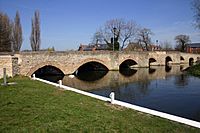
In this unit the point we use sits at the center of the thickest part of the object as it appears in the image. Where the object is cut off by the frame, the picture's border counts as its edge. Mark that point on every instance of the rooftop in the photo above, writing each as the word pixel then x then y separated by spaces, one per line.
pixel 194 45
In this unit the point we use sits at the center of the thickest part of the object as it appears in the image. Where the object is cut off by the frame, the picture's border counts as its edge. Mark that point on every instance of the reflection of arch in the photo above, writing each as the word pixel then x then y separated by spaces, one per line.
pixel 91 75
pixel 168 68
pixel 152 70
pixel 151 61
pixel 128 72
pixel 181 67
pixel 38 66
pixel 191 61
pixel 167 60
pixel 129 63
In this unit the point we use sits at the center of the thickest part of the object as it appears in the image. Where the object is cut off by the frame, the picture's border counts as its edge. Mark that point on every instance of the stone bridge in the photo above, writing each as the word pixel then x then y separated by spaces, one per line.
pixel 26 63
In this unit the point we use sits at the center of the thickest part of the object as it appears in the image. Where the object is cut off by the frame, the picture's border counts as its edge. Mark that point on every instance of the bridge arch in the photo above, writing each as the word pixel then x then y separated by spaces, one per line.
pixel 41 65
pixel 128 63
pixel 152 61
pixel 91 62
pixel 191 61
pixel 93 65
pixel 182 60
pixel 168 59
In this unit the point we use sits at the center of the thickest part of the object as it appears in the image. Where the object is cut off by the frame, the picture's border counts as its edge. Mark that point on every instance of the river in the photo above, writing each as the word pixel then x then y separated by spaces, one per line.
pixel 163 89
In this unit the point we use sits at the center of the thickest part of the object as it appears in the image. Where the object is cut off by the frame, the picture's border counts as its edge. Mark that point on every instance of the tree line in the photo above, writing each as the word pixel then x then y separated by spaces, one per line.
pixel 11 33
pixel 118 33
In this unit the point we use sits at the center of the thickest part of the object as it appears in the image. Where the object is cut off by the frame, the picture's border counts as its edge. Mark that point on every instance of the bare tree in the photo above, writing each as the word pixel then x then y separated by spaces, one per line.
pixel 144 38
pixel 5 33
pixel 113 30
pixel 35 34
pixel 166 45
pixel 97 38
pixel 117 31
pixel 129 32
pixel 17 33
pixel 196 7
pixel 181 41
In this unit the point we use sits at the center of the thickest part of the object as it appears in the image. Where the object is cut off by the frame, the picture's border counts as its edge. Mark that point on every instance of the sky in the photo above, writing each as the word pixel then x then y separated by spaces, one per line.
pixel 65 24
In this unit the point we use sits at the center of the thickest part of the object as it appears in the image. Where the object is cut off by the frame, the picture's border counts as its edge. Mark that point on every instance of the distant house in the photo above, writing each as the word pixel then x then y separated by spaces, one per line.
pixel 102 47
pixel 86 47
pixel 133 47
pixel 93 47
pixel 154 47
pixel 137 47
pixel 193 48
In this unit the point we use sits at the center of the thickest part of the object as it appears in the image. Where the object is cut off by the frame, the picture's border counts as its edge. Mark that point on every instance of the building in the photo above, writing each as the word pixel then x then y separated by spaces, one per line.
pixel 133 47
pixel 153 47
pixel 93 47
pixel 86 47
pixel 137 47
pixel 193 48
pixel 102 47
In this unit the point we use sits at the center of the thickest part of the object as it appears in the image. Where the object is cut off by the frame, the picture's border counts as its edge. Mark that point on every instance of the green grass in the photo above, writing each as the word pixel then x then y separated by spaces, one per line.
pixel 194 70
pixel 32 106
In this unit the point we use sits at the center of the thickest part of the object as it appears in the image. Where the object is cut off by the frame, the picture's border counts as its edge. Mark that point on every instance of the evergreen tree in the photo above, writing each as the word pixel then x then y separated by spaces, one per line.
pixel 5 33
pixel 17 33
pixel 35 33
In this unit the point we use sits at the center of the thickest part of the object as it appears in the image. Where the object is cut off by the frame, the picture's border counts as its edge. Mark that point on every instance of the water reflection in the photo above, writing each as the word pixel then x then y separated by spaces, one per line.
pixel 128 72
pixel 167 89
pixel 181 80
pixel 151 70
pixel 168 68
pixel 164 89
pixel 114 79
pixel 91 75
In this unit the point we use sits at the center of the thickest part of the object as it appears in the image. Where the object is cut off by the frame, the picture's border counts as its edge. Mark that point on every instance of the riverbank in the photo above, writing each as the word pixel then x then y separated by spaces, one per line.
pixel 194 70
pixel 32 106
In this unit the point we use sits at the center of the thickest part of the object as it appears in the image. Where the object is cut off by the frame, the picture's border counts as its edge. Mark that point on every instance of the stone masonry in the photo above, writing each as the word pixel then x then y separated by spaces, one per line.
pixel 26 63
pixel 10 63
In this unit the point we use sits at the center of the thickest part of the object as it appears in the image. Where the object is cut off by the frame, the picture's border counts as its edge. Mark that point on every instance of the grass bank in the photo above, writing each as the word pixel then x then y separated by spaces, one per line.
pixel 32 106
pixel 194 70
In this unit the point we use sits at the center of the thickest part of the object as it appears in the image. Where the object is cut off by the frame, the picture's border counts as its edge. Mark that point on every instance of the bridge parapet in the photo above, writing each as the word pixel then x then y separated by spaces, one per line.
pixel 68 62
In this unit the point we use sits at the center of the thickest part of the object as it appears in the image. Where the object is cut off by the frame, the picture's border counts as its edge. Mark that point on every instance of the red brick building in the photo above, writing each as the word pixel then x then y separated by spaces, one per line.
pixel 93 47
pixel 193 48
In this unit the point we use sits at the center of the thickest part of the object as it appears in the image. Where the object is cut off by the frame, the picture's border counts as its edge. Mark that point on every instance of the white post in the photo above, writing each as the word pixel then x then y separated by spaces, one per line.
pixel 60 83
pixel 33 76
pixel 112 97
